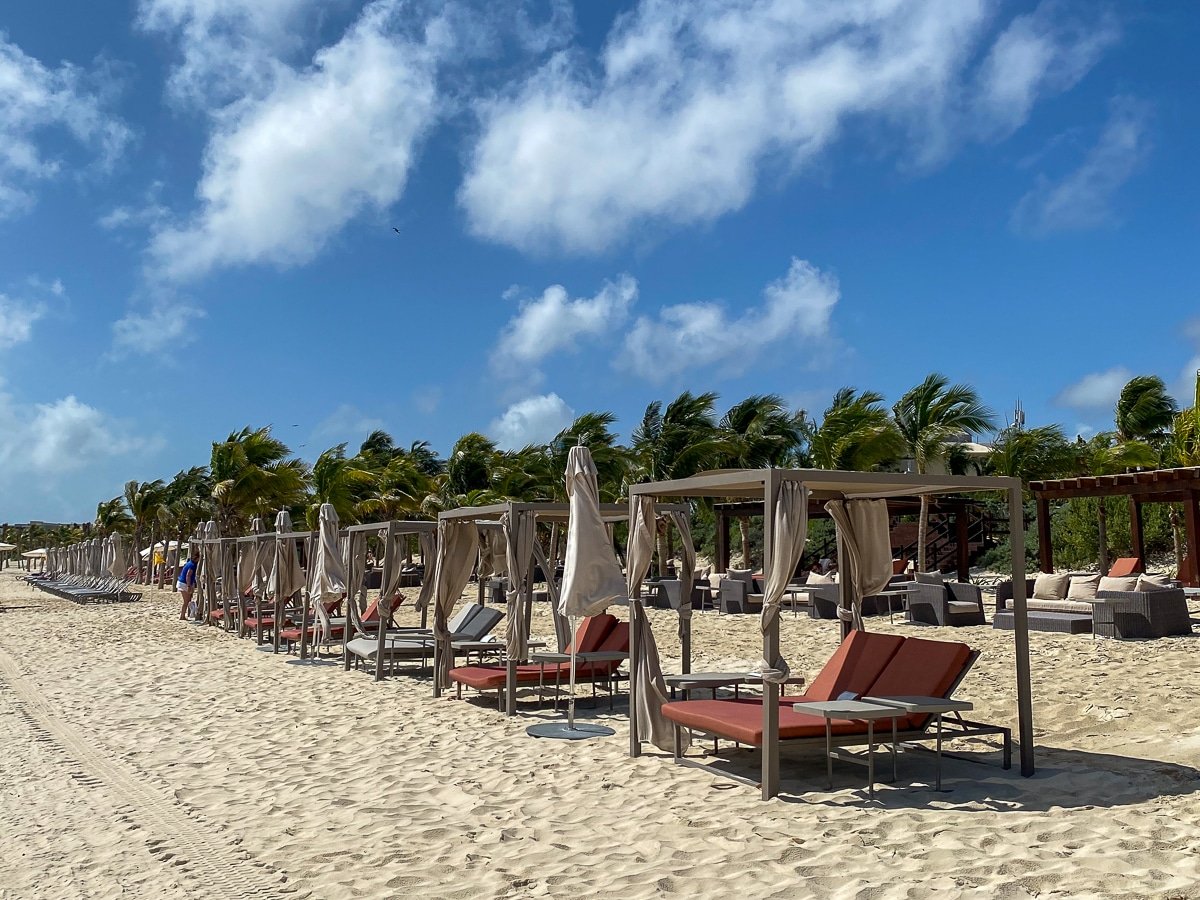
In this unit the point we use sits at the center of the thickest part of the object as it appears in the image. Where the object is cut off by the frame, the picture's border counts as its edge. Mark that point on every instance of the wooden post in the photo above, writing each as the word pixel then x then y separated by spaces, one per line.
pixel 1045 547
pixel 962 539
pixel 635 624
pixel 770 645
pixel 1136 529
pixel 385 603
pixel 1016 531
pixel 722 541
pixel 1191 518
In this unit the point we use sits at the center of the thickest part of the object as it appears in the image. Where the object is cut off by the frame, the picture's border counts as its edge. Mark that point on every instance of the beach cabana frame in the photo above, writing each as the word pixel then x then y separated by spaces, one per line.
pixel 507 516
pixel 764 485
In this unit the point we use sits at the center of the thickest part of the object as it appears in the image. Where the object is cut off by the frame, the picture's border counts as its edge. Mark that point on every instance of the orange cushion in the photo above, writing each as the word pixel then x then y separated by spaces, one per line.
pixel 491 677
pixel 1126 565
pixel 741 720
pixel 921 668
pixel 855 665
pixel 592 631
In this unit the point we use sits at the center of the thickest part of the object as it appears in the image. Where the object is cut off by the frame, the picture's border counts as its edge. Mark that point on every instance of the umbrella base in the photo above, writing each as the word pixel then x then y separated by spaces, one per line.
pixel 562 731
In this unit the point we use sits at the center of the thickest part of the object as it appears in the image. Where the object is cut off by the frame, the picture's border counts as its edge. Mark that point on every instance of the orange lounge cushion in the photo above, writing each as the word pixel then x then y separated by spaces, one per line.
pixel 741 720
pixel 293 634
pixel 854 666
pixel 1126 565
pixel 921 668
pixel 592 631
pixel 491 677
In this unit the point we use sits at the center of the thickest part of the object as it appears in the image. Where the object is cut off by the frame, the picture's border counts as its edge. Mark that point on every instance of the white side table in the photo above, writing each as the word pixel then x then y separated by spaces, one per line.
pixel 854 711
pixel 932 706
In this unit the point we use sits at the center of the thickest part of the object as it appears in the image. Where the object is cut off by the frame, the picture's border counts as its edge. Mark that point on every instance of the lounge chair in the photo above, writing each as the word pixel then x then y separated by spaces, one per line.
pixel 952 603
pixel 1126 565
pixel 594 634
pixel 866 663
pixel 473 623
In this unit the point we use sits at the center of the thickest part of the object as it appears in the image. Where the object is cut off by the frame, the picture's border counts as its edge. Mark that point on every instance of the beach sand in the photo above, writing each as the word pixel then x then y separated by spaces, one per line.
pixel 146 757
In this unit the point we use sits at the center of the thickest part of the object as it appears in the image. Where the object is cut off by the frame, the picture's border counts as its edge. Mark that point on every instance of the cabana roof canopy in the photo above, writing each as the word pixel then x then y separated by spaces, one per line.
pixel 823 483
pixel 546 512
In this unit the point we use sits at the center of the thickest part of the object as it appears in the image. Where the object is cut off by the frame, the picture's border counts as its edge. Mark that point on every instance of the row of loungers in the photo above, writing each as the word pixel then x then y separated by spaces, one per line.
pixel 86 590
pixel 866 664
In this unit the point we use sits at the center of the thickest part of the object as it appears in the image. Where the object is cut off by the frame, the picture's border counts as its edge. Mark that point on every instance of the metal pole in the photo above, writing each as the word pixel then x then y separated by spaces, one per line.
pixel 770 645
pixel 1016 530
pixel 635 624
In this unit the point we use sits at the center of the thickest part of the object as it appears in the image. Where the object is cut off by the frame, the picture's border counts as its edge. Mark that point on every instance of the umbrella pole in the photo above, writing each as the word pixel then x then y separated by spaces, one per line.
pixel 571 700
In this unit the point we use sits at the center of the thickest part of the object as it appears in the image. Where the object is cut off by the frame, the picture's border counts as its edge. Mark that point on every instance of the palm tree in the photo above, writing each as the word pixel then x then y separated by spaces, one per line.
pixel 341 482
pixel 469 467
pixel 930 416
pixel 761 432
pixel 143 499
pixel 188 503
pixel 111 515
pixel 676 443
pixel 1185 433
pixel 1145 411
pixel 1107 454
pixel 252 475
pixel 594 431
pixel 1032 454
pixel 856 434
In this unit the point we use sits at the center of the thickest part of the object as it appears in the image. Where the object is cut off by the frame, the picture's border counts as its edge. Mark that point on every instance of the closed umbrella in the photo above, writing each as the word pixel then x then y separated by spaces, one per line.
pixel 116 560
pixel 327 574
pixel 592 578
pixel 210 561
pixel 286 575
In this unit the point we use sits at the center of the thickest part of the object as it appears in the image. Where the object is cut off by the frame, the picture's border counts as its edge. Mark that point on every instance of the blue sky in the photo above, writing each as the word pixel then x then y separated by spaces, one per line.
pixel 595 205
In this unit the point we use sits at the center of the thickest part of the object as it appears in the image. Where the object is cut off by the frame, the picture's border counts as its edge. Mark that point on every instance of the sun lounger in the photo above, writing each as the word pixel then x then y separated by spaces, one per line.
pixel 473 623
pixel 866 663
pixel 594 634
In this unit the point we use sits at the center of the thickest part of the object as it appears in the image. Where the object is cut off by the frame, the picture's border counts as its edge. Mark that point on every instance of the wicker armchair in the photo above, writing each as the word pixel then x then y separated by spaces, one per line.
pixel 1141 614
pixel 953 603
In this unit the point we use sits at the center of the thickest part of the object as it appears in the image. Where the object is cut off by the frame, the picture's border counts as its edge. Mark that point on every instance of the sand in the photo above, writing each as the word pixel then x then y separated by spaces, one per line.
pixel 145 757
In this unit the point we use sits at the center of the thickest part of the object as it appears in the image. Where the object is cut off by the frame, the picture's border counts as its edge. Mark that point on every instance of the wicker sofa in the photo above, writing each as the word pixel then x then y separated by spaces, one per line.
pixel 1141 614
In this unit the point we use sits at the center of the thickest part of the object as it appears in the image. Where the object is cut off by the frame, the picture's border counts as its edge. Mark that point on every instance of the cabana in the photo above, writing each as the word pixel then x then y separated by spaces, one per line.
pixel 785 495
pixel 354 552
pixel 1156 486
pixel 459 533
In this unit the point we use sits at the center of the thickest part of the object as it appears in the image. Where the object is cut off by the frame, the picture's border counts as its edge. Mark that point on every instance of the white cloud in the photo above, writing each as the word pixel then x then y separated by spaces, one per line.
pixel 427 399
pixel 161 328
pixel 1043 52
pixel 533 420
pixel 17 319
pixel 284 172
pixel 35 100
pixel 1098 390
pixel 688 104
pixel 229 48
pixel 56 438
pixel 792 321
pixel 555 321
pixel 1084 198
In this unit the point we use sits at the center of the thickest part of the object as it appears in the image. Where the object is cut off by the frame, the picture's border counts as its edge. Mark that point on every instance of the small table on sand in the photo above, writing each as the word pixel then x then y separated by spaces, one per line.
pixel 553 657
pixel 903 595
pixel 794 592
pixel 854 711
pixel 927 706
pixel 704 681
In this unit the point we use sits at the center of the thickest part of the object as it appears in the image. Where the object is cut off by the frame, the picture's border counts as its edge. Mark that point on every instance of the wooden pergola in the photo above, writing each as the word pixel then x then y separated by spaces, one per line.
pixel 1154 486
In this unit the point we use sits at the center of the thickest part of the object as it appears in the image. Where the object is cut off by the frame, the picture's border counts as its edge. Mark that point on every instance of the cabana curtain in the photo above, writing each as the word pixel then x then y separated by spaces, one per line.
pixel 521 530
pixel 651 689
pixel 458 546
pixel 327 581
pixel 790 530
pixel 428 542
pixel 862 531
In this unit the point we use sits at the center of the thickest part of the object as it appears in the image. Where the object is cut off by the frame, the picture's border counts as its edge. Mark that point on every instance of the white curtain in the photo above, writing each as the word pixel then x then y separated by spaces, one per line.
pixel 458 545
pixel 862 531
pixel 327 574
pixel 789 530
pixel 651 690
pixel 520 529
pixel 428 541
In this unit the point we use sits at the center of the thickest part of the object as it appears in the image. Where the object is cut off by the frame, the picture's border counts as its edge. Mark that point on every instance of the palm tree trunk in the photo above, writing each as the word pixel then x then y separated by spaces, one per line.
pixel 1173 515
pixel 922 532
pixel 660 536
pixel 178 559
pixel 137 550
pixel 1102 535
pixel 744 527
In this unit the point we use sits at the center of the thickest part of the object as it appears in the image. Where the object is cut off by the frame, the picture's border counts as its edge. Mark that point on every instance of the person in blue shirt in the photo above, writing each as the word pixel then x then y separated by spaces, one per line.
pixel 187 584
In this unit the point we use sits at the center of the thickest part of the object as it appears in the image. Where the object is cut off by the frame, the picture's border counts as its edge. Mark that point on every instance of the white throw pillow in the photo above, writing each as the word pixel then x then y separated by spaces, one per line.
pixel 1151 583
pixel 1050 586
pixel 1120 583
pixel 1083 587
pixel 818 578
